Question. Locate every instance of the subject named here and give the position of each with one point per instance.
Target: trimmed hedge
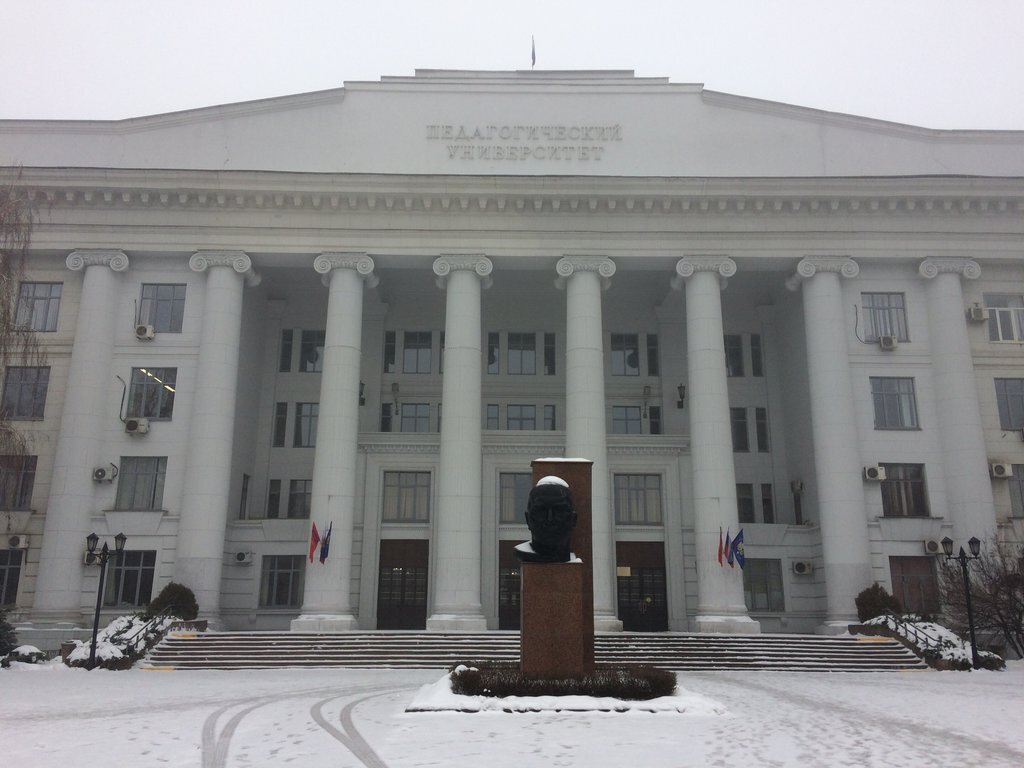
(875, 601)
(179, 598)
(500, 679)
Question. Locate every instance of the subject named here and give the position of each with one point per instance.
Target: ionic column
(326, 602)
(204, 504)
(457, 530)
(720, 605)
(964, 458)
(58, 595)
(583, 278)
(840, 489)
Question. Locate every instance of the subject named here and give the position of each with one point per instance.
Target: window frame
(143, 573)
(417, 352)
(25, 399)
(762, 577)
(133, 469)
(307, 416)
(165, 314)
(904, 491)
(513, 491)
(408, 493)
(12, 561)
(884, 318)
(638, 499)
(521, 353)
(622, 346)
(282, 575)
(1010, 405)
(30, 319)
(17, 481)
(891, 407)
(151, 393)
(625, 418)
(1002, 315)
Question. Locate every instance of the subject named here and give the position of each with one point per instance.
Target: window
(284, 363)
(389, 352)
(416, 352)
(895, 403)
(300, 498)
(653, 363)
(274, 499)
(733, 355)
(549, 418)
(132, 582)
(1016, 483)
(1010, 401)
(152, 392)
(885, 314)
(761, 429)
(243, 503)
(513, 493)
(626, 420)
(654, 419)
(745, 502)
(306, 415)
(625, 354)
(140, 482)
(493, 352)
(549, 354)
(762, 585)
(281, 581)
(521, 416)
(406, 497)
(903, 491)
(17, 477)
(767, 503)
(38, 306)
(492, 417)
(25, 392)
(385, 417)
(10, 575)
(756, 356)
(1005, 317)
(522, 353)
(162, 306)
(311, 351)
(740, 438)
(637, 499)
(280, 424)
(415, 417)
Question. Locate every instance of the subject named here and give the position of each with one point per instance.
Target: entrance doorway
(509, 586)
(914, 584)
(402, 584)
(643, 604)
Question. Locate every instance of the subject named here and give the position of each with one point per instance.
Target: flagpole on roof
(533, 52)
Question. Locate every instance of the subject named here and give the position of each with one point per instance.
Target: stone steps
(427, 650)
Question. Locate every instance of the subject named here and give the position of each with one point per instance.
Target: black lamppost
(963, 558)
(104, 555)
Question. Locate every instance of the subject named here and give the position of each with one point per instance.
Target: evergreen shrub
(180, 599)
(500, 679)
(8, 639)
(876, 601)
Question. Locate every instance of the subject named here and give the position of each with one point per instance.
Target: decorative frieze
(933, 267)
(79, 260)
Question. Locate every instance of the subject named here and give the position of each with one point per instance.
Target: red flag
(314, 540)
(720, 549)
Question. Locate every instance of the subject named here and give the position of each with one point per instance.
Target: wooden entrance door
(402, 584)
(914, 584)
(643, 603)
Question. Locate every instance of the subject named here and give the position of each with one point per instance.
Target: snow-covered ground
(55, 717)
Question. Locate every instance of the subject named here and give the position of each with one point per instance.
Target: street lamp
(104, 555)
(962, 558)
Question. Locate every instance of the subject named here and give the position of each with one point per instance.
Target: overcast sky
(934, 63)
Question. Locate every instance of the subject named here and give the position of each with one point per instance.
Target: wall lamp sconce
(681, 402)
(647, 396)
(362, 390)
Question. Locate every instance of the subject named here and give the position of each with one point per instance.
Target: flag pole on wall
(533, 52)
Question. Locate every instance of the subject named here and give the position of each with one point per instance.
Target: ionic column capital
(78, 260)
(567, 266)
(809, 266)
(688, 266)
(478, 263)
(237, 260)
(933, 267)
(359, 262)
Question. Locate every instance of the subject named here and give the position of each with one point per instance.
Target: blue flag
(736, 552)
(325, 543)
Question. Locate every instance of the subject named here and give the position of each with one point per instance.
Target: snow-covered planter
(940, 647)
(26, 654)
(121, 643)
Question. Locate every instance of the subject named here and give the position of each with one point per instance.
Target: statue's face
(550, 513)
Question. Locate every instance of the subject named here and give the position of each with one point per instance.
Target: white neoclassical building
(369, 309)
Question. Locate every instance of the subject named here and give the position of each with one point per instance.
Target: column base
(726, 625)
(324, 623)
(451, 622)
(836, 627)
(607, 623)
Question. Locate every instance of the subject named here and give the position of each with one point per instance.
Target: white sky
(935, 63)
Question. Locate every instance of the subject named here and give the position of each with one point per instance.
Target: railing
(922, 639)
(131, 643)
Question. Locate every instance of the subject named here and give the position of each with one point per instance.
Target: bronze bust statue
(551, 516)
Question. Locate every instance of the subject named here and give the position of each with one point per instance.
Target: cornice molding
(79, 260)
(359, 262)
(236, 260)
(934, 266)
(477, 263)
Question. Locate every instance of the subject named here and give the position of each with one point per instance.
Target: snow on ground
(55, 717)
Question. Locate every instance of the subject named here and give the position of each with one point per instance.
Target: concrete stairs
(427, 650)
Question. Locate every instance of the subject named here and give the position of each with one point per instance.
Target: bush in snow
(939, 646)
(875, 601)
(8, 640)
(631, 683)
(121, 643)
(26, 654)
(179, 598)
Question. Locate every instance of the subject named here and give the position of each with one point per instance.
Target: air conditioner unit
(139, 426)
(17, 542)
(105, 473)
(977, 314)
(932, 547)
(888, 343)
(874, 472)
(243, 558)
(145, 332)
(1000, 470)
(803, 567)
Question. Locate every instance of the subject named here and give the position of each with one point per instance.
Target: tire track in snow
(349, 734)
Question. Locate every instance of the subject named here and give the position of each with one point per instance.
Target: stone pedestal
(554, 635)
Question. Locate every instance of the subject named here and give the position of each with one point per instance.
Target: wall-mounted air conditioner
(803, 567)
(888, 343)
(1000, 470)
(19, 541)
(932, 547)
(145, 332)
(106, 473)
(243, 558)
(977, 314)
(874, 472)
(136, 426)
